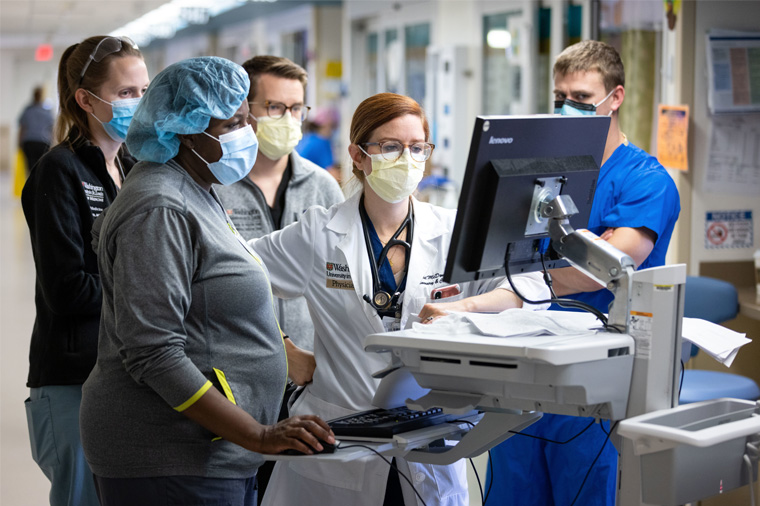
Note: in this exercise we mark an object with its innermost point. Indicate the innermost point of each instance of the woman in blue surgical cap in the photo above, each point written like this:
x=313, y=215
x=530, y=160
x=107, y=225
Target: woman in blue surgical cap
x=191, y=362
x=100, y=82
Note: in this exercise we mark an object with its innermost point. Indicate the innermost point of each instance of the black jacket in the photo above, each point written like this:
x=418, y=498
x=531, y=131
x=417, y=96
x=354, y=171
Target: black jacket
x=64, y=194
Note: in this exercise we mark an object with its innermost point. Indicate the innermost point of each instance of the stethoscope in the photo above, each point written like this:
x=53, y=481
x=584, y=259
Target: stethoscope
x=382, y=301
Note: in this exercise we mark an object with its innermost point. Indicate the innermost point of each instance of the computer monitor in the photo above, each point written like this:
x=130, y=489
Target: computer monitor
x=515, y=161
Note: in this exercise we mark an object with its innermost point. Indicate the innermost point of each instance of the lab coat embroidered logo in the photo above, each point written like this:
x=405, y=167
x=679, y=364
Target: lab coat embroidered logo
x=338, y=276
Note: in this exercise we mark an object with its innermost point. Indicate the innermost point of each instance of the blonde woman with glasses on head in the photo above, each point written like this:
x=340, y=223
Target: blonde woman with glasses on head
x=100, y=82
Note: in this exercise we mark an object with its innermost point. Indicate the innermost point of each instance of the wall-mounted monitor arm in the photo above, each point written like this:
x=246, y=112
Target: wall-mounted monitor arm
x=590, y=254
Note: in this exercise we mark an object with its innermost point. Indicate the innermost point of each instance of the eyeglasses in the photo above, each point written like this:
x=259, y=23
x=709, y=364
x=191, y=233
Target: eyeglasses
x=392, y=150
x=277, y=110
x=107, y=45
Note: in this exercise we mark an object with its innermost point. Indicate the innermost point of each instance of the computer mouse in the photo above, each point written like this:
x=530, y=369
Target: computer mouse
x=326, y=448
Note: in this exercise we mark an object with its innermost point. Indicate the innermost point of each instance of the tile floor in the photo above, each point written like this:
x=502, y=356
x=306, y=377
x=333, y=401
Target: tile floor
x=21, y=481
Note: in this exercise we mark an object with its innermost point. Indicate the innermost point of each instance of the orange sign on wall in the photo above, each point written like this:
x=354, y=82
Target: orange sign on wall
x=672, y=136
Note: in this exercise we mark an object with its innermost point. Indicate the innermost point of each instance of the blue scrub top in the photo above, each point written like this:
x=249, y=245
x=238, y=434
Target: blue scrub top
x=634, y=191
x=316, y=149
x=384, y=271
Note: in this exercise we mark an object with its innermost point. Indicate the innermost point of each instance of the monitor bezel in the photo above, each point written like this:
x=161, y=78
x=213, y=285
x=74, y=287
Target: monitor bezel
x=518, y=137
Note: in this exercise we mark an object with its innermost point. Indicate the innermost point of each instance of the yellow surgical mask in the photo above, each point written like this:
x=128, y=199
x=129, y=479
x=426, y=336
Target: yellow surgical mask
x=395, y=181
x=278, y=137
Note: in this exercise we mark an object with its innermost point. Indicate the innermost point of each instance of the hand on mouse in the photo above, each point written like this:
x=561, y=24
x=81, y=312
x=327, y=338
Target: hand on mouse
x=300, y=433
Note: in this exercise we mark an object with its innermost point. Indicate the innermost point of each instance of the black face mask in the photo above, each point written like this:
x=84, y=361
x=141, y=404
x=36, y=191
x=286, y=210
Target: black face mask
x=578, y=109
x=589, y=109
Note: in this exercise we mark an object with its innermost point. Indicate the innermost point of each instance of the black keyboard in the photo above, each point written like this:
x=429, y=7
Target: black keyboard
x=385, y=423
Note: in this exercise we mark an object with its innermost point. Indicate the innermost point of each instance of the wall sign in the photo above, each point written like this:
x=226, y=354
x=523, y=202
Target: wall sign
x=673, y=136
x=728, y=230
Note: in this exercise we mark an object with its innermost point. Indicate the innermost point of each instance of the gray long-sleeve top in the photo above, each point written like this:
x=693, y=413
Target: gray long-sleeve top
x=186, y=307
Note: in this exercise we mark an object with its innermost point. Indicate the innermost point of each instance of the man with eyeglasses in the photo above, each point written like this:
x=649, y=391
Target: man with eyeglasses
x=281, y=185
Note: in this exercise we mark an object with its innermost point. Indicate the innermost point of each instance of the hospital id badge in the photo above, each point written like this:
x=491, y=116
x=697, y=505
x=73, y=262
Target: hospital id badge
x=390, y=323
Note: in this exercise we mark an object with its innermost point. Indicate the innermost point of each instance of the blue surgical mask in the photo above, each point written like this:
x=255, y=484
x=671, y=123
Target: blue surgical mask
x=569, y=107
x=123, y=110
x=239, y=150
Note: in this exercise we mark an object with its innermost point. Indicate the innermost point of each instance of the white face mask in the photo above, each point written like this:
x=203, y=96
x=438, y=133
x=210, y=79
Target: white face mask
x=278, y=137
x=395, y=181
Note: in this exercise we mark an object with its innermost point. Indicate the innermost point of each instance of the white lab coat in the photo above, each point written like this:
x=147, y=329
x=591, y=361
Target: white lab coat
x=323, y=257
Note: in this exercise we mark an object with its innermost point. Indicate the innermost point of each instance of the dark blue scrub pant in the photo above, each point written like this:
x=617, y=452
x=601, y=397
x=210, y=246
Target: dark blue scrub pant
x=528, y=471
x=176, y=491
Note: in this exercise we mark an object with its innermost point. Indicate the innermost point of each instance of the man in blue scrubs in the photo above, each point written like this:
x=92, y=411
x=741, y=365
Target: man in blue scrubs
x=636, y=206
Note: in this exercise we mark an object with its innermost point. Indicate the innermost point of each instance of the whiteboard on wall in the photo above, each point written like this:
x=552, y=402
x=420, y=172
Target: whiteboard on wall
x=733, y=81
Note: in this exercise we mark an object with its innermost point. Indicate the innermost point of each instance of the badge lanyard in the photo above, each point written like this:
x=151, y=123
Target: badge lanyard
x=382, y=301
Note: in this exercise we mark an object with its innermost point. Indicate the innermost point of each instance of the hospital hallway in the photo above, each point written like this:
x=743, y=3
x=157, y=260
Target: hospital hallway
x=21, y=481
x=687, y=75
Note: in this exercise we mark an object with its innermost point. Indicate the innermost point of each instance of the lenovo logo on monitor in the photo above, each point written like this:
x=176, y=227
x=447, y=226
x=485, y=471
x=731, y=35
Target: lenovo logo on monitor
x=500, y=140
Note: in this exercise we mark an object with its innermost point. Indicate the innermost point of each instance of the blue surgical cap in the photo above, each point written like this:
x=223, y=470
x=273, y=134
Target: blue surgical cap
x=181, y=100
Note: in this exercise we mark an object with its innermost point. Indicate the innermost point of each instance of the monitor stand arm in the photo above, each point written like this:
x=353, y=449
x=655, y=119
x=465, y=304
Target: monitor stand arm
x=593, y=256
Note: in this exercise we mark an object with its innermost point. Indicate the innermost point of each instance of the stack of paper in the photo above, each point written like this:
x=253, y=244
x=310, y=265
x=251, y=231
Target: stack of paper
x=521, y=323
x=513, y=323
x=720, y=343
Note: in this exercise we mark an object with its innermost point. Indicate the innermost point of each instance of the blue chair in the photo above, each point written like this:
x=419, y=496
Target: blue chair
x=715, y=301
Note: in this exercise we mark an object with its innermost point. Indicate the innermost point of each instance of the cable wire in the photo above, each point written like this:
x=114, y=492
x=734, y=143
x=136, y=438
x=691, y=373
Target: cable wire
x=547, y=277
x=561, y=302
x=477, y=477
x=593, y=463
x=551, y=440
x=490, y=468
x=474, y=470
x=601, y=425
x=391, y=464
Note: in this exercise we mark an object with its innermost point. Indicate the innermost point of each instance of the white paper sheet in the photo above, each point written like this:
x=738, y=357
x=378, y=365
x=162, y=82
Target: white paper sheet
x=733, y=164
x=720, y=343
x=513, y=323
